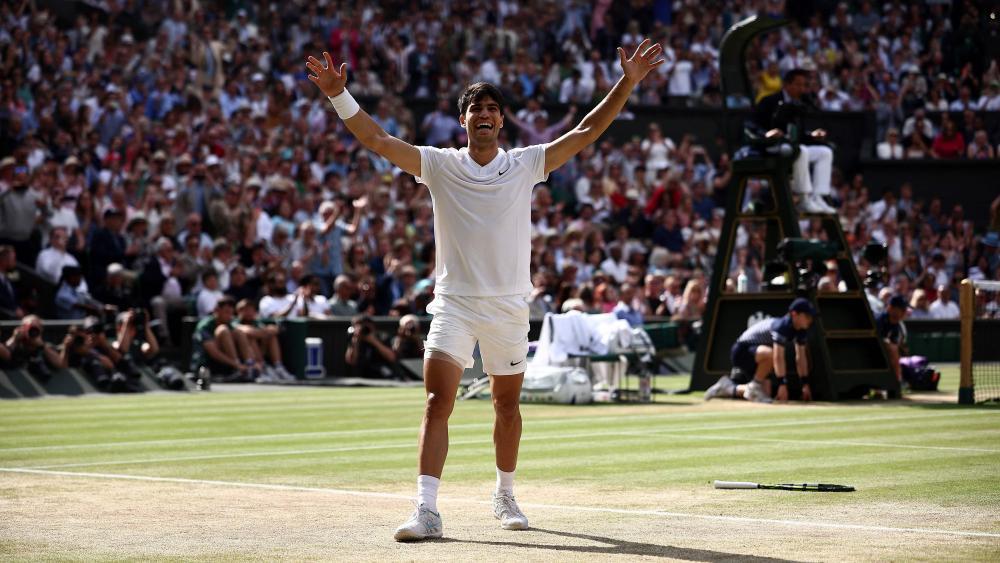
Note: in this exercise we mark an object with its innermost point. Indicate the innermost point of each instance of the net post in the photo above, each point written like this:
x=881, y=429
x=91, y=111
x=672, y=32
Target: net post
x=967, y=308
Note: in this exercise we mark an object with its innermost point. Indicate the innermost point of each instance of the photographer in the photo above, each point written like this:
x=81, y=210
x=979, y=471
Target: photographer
x=88, y=349
x=408, y=343
x=134, y=340
x=367, y=353
x=26, y=349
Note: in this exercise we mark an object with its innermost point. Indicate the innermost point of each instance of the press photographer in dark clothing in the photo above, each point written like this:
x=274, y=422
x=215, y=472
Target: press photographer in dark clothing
x=368, y=355
x=26, y=349
x=89, y=350
x=134, y=339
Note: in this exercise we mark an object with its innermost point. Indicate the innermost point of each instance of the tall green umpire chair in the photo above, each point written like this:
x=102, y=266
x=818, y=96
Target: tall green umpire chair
x=846, y=356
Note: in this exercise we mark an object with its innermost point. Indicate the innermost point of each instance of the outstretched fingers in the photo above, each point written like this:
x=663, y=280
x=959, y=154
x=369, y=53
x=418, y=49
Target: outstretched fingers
x=652, y=52
x=641, y=48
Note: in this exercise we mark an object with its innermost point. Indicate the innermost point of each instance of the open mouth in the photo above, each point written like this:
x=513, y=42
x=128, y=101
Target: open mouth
x=484, y=127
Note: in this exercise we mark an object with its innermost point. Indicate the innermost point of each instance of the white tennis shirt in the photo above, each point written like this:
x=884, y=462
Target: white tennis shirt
x=482, y=219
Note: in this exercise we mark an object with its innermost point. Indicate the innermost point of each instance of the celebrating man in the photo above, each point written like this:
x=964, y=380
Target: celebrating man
x=482, y=228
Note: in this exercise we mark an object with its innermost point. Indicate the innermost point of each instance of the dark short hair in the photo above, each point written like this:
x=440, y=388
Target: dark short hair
x=477, y=91
x=225, y=301
x=362, y=319
x=209, y=273
x=795, y=73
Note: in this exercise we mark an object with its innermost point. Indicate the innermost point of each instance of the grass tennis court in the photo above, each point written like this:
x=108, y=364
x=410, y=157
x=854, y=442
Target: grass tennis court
x=325, y=473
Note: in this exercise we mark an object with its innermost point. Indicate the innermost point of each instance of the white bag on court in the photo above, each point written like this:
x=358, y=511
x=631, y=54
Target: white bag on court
x=553, y=384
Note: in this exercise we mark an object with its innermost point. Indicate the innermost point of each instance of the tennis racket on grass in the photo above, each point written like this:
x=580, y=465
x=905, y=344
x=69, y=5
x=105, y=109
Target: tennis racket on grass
x=817, y=487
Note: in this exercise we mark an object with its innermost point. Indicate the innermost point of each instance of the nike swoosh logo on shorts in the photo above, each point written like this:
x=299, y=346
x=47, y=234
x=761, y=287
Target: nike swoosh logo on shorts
x=515, y=363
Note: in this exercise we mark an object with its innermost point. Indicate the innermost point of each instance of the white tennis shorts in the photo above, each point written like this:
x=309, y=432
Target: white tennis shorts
x=500, y=324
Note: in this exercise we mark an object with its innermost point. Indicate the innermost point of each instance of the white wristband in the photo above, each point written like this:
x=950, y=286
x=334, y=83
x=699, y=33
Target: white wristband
x=344, y=104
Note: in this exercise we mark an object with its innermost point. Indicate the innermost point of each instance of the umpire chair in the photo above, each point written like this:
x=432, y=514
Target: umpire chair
x=846, y=355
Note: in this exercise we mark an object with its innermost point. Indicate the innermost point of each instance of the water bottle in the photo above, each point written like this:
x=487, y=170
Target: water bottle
x=742, y=281
x=645, y=388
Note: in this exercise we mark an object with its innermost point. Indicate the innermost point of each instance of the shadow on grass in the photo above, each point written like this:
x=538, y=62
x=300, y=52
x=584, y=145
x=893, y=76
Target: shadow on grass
x=613, y=546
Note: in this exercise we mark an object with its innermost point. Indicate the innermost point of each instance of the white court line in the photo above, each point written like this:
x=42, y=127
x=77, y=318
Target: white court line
x=558, y=507
x=807, y=441
x=550, y=437
x=534, y=422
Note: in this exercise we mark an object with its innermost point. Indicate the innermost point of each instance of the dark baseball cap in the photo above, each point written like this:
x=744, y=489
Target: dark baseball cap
x=899, y=302
x=802, y=305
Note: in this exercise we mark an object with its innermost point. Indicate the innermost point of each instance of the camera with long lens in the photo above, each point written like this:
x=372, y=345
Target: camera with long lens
x=34, y=332
x=78, y=337
x=876, y=255
x=364, y=329
x=139, y=316
x=801, y=264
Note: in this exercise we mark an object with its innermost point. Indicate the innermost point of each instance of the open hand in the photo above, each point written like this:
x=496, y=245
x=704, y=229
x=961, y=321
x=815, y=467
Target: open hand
x=782, y=395
x=642, y=61
x=329, y=79
x=806, y=393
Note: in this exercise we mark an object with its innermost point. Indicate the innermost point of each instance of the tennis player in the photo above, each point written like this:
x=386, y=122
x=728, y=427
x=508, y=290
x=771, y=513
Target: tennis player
x=482, y=232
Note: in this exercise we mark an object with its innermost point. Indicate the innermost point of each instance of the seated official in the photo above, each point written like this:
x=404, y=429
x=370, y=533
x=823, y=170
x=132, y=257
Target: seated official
x=760, y=350
x=221, y=351
x=775, y=114
x=263, y=339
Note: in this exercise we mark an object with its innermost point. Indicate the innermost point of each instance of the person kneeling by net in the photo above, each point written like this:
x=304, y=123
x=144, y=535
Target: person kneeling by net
x=761, y=350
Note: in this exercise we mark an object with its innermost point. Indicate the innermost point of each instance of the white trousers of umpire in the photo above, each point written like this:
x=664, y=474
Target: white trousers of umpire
x=817, y=183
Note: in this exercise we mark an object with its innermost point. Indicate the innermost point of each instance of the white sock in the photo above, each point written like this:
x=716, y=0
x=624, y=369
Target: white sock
x=505, y=481
x=427, y=491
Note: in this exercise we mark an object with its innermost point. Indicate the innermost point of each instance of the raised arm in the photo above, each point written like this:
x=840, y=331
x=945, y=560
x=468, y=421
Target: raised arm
x=636, y=68
x=370, y=134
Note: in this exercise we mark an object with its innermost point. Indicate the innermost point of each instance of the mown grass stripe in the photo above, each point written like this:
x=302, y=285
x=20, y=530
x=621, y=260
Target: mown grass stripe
x=861, y=419
x=557, y=442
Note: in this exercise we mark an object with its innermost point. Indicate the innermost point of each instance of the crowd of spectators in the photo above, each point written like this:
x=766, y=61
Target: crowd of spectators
x=167, y=156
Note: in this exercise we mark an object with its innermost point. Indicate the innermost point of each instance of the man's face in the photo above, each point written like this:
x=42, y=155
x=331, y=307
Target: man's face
x=482, y=120
x=224, y=314
x=278, y=283
x=248, y=313
x=796, y=87
x=801, y=321
x=896, y=314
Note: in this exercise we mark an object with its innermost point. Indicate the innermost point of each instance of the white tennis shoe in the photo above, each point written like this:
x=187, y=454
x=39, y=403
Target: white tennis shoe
x=507, y=512
x=755, y=392
x=423, y=524
x=724, y=387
